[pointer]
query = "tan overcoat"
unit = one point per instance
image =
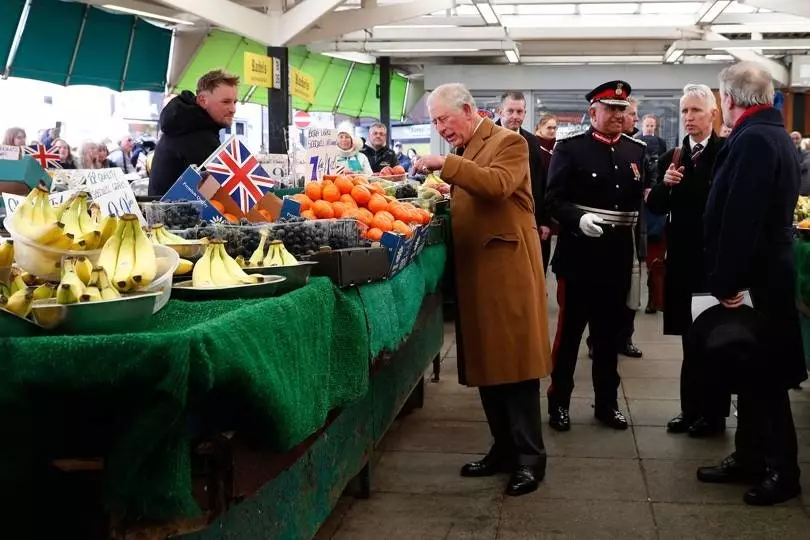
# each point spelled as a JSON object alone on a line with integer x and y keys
{"x": 502, "y": 323}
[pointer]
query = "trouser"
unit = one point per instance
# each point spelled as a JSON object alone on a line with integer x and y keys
{"x": 766, "y": 436}
{"x": 545, "y": 248}
{"x": 699, "y": 397}
{"x": 656, "y": 252}
{"x": 628, "y": 327}
{"x": 600, "y": 306}
{"x": 513, "y": 415}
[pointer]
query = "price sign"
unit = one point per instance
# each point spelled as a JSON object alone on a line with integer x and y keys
{"x": 276, "y": 165}
{"x": 322, "y": 152}
{"x": 119, "y": 202}
{"x": 12, "y": 202}
{"x": 9, "y": 152}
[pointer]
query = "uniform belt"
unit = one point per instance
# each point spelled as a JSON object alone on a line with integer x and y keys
{"x": 612, "y": 217}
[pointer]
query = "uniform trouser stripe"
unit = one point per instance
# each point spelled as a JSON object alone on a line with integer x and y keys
{"x": 560, "y": 321}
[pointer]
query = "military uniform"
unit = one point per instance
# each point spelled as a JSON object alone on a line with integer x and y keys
{"x": 592, "y": 173}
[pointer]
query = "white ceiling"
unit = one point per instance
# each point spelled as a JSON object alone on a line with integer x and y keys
{"x": 418, "y": 32}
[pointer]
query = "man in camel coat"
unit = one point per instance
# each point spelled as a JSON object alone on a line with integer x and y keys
{"x": 502, "y": 327}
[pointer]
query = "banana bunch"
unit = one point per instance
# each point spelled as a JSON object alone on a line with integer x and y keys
{"x": 19, "y": 281}
{"x": 68, "y": 226}
{"x": 218, "y": 269}
{"x": 128, "y": 256}
{"x": 277, "y": 255}
{"x": 184, "y": 267}
{"x": 257, "y": 257}
{"x": 6, "y": 253}
{"x": 18, "y": 303}
{"x": 71, "y": 287}
{"x": 160, "y": 235}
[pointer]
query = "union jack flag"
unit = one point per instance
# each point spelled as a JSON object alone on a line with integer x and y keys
{"x": 49, "y": 159}
{"x": 240, "y": 174}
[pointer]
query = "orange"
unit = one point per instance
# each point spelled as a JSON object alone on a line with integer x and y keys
{"x": 385, "y": 215}
{"x": 219, "y": 206}
{"x": 400, "y": 212}
{"x": 374, "y": 234}
{"x": 330, "y": 192}
{"x": 306, "y": 202}
{"x": 361, "y": 195}
{"x": 366, "y": 217}
{"x": 323, "y": 210}
{"x": 351, "y": 212}
{"x": 230, "y": 217}
{"x": 313, "y": 190}
{"x": 424, "y": 216}
{"x": 357, "y": 180}
{"x": 377, "y": 203}
{"x": 308, "y": 214}
{"x": 382, "y": 223}
{"x": 376, "y": 188}
{"x": 339, "y": 208}
{"x": 347, "y": 198}
{"x": 344, "y": 184}
{"x": 402, "y": 228}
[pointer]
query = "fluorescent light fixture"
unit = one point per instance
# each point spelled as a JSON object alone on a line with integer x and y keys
{"x": 512, "y": 55}
{"x": 773, "y": 47}
{"x": 713, "y": 11}
{"x": 672, "y": 56}
{"x": 360, "y": 58}
{"x": 412, "y": 26}
{"x": 487, "y": 13}
{"x": 595, "y": 59}
{"x": 146, "y": 14}
{"x": 397, "y": 51}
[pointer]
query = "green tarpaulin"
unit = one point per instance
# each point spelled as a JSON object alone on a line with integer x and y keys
{"x": 71, "y": 43}
{"x": 342, "y": 87}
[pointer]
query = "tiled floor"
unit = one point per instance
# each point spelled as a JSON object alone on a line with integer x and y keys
{"x": 600, "y": 483}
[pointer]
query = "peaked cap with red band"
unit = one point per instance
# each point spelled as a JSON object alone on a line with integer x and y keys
{"x": 610, "y": 93}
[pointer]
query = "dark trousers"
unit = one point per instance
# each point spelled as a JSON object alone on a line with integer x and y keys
{"x": 600, "y": 306}
{"x": 766, "y": 436}
{"x": 628, "y": 327}
{"x": 545, "y": 248}
{"x": 513, "y": 415}
{"x": 699, "y": 397}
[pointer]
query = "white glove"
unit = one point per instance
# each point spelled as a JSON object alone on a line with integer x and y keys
{"x": 589, "y": 225}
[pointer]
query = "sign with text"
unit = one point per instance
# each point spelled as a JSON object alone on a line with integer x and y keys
{"x": 258, "y": 70}
{"x": 13, "y": 202}
{"x": 10, "y": 152}
{"x": 276, "y": 165}
{"x": 302, "y": 85}
{"x": 321, "y": 152}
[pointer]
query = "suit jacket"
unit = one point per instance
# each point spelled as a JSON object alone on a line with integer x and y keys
{"x": 500, "y": 287}
{"x": 749, "y": 234}
{"x": 538, "y": 174}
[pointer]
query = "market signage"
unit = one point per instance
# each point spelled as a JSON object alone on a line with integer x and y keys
{"x": 322, "y": 152}
{"x": 302, "y": 85}
{"x": 261, "y": 71}
{"x": 109, "y": 188}
{"x": 9, "y": 152}
{"x": 12, "y": 202}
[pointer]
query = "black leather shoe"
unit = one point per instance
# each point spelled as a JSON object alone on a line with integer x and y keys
{"x": 630, "y": 350}
{"x": 730, "y": 471}
{"x": 524, "y": 480}
{"x": 707, "y": 427}
{"x": 558, "y": 419}
{"x": 774, "y": 489}
{"x": 488, "y": 466}
{"x": 681, "y": 423}
{"x": 612, "y": 418}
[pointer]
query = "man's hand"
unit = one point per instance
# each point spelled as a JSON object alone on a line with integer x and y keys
{"x": 427, "y": 164}
{"x": 673, "y": 176}
{"x": 733, "y": 302}
{"x": 589, "y": 225}
{"x": 545, "y": 232}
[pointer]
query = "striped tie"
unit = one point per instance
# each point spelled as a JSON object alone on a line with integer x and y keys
{"x": 696, "y": 151}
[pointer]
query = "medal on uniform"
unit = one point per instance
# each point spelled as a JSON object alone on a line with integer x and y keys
{"x": 635, "y": 172}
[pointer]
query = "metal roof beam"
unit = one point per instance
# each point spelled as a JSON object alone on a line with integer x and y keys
{"x": 792, "y": 7}
{"x": 298, "y": 20}
{"x": 400, "y": 48}
{"x": 780, "y": 73}
{"x": 353, "y": 20}
{"x": 460, "y": 34}
{"x": 231, "y": 16}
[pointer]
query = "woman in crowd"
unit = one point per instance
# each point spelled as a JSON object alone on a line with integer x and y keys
{"x": 412, "y": 154}
{"x": 103, "y": 154}
{"x": 546, "y": 131}
{"x": 88, "y": 156}
{"x": 15, "y": 136}
{"x": 350, "y": 159}
{"x": 65, "y": 157}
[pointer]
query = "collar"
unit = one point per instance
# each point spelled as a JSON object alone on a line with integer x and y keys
{"x": 749, "y": 112}
{"x": 604, "y": 139}
{"x": 704, "y": 142}
{"x": 478, "y": 125}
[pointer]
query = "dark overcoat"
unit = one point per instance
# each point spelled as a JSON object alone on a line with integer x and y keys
{"x": 683, "y": 205}
{"x": 749, "y": 235}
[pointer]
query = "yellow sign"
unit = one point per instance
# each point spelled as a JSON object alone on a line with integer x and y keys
{"x": 302, "y": 85}
{"x": 258, "y": 70}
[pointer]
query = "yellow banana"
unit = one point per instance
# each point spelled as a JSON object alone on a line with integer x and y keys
{"x": 241, "y": 261}
{"x": 201, "y": 276}
{"x": 68, "y": 293}
{"x": 109, "y": 253}
{"x": 6, "y": 253}
{"x": 92, "y": 239}
{"x": 219, "y": 272}
{"x": 286, "y": 257}
{"x": 107, "y": 228}
{"x": 47, "y": 233}
{"x": 60, "y": 210}
{"x": 70, "y": 217}
{"x": 29, "y": 279}
{"x": 257, "y": 257}
{"x": 108, "y": 292}
{"x": 122, "y": 272}
{"x": 44, "y": 291}
{"x": 145, "y": 267}
{"x": 85, "y": 222}
{"x": 234, "y": 269}
{"x": 184, "y": 267}
{"x": 19, "y": 303}
{"x": 84, "y": 269}
{"x": 168, "y": 237}
{"x": 17, "y": 284}
{"x": 91, "y": 294}
{"x": 63, "y": 241}
{"x": 24, "y": 214}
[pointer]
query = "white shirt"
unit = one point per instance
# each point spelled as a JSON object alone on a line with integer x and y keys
{"x": 703, "y": 143}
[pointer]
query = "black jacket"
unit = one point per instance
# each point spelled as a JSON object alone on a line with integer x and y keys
{"x": 683, "y": 207}
{"x": 190, "y": 135}
{"x": 749, "y": 235}
{"x": 384, "y": 157}
{"x": 538, "y": 177}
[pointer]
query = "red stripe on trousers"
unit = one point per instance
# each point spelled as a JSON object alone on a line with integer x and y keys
{"x": 558, "y": 335}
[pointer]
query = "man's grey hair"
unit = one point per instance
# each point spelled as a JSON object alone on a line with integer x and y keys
{"x": 454, "y": 95}
{"x": 703, "y": 92}
{"x": 748, "y": 84}
{"x": 378, "y": 125}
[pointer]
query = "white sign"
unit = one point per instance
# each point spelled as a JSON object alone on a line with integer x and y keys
{"x": 13, "y": 202}
{"x": 321, "y": 152}
{"x": 9, "y": 152}
{"x": 276, "y": 165}
{"x": 86, "y": 178}
{"x": 119, "y": 202}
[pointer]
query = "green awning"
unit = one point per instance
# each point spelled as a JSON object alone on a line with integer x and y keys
{"x": 71, "y": 43}
{"x": 342, "y": 87}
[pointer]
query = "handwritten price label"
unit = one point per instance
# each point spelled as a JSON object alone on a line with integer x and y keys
{"x": 322, "y": 152}
{"x": 10, "y": 152}
{"x": 120, "y": 202}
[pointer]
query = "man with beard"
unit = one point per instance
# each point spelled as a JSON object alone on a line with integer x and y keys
{"x": 512, "y": 113}
{"x": 191, "y": 125}
{"x": 377, "y": 151}
{"x": 595, "y": 190}
{"x": 501, "y": 325}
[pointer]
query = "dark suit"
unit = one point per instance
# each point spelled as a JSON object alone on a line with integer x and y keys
{"x": 538, "y": 178}
{"x": 749, "y": 245}
{"x": 683, "y": 206}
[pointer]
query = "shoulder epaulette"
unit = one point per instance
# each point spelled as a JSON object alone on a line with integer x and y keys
{"x": 637, "y": 141}
{"x": 570, "y": 137}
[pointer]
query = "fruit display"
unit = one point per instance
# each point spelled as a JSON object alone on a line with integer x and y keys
{"x": 396, "y": 172}
{"x": 6, "y": 253}
{"x": 128, "y": 256}
{"x": 433, "y": 181}
{"x": 276, "y": 254}
{"x": 217, "y": 269}
{"x": 802, "y": 211}
{"x": 174, "y": 215}
{"x": 191, "y": 249}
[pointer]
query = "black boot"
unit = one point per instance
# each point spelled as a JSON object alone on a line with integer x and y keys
{"x": 558, "y": 418}
{"x": 630, "y": 350}
{"x": 524, "y": 480}
{"x": 611, "y": 417}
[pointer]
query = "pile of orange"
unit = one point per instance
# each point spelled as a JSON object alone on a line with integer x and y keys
{"x": 355, "y": 197}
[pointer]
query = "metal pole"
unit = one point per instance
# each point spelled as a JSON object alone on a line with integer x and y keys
{"x": 278, "y": 105}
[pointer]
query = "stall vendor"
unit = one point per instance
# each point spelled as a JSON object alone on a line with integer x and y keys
{"x": 349, "y": 159}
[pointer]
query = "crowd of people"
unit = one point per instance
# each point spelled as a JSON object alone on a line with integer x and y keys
{"x": 712, "y": 218}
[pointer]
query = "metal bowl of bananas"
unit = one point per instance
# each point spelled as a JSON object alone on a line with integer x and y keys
{"x": 187, "y": 249}
{"x": 129, "y": 313}
{"x": 273, "y": 259}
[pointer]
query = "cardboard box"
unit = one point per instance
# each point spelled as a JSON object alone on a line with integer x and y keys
{"x": 352, "y": 266}
{"x": 402, "y": 251}
{"x": 20, "y": 176}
